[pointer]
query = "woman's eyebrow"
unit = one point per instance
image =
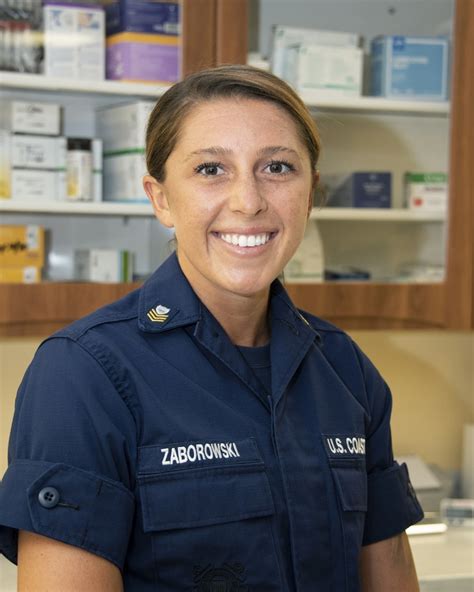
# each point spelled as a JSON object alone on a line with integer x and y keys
{"x": 213, "y": 150}
{"x": 220, "y": 150}
{"x": 269, "y": 150}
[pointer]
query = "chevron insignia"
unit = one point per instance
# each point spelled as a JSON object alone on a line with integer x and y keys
{"x": 159, "y": 314}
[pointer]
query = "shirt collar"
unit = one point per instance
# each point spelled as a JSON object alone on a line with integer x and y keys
{"x": 167, "y": 301}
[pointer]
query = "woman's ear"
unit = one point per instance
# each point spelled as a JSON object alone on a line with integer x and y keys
{"x": 157, "y": 195}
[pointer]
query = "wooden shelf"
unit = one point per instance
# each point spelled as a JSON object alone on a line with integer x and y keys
{"x": 40, "y": 309}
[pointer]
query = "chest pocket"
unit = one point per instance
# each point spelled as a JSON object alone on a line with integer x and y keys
{"x": 210, "y": 519}
{"x": 350, "y": 481}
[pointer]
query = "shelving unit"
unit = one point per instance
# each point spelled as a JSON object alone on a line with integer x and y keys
{"x": 39, "y": 309}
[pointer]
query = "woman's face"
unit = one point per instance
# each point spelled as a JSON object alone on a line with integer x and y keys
{"x": 238, "y": 190}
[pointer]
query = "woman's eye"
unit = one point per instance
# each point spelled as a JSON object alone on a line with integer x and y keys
{"x": 279, "y": 167}
{"x": 209, "y": 169}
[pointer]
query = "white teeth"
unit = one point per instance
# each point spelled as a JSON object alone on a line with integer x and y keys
{"x": 246, "y": 240}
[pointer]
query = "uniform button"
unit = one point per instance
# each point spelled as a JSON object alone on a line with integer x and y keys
{"x": 48, "y": 497}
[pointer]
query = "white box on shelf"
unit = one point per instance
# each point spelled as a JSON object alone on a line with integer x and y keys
{"x": 103, "y": 265}
{"x": 284, "y": 38}
{"x": 123, "y": 176}
{"x": 38, "y": 152}
{"x": 97, "y": 169}
{"x": 123, "y": 127}
{"x": 426, "y": 191}
{"x": 324, "y": 71}
{"x": 30, "y": 117}
{"x": 74, "y": 41}
{"x": 38, "y": 185}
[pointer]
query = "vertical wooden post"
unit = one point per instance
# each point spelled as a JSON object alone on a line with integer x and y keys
{"x": 460, "y": 258}
{"x": 198, "y": 35}
{"x": 232, "y": 32}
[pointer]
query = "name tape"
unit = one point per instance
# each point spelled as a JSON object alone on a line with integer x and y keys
{"x": 344, "y": 446}
{"x": 177, "y": 455}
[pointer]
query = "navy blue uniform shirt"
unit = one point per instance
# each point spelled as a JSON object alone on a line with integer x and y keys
{"x": 142, "y": 434}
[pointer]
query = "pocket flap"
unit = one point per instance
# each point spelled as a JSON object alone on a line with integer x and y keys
{"x": 210, "y": 491}
{"x": 351, "y": 484}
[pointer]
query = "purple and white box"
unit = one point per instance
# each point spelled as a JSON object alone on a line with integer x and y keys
{"x": 143, "y": 57}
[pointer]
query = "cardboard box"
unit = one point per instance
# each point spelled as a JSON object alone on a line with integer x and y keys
{"x": 324, "y": 71}
{"x": 361, "y": 190}
{"x": 103, "y": 265}
{"x": 38, "y": 152}
{"x": 290, "y": 38}
{"x": 426, "y": 191}
{"x": 38, "y": 185}
{"x": 20, "y": 275}
{"x": 410, "y": 67}
{"x": 123, "y": 127}
{"x": 28, "y": 117}
{"x": 123, "y": 176}
{"x": 5, "y": 165}
{"x": 143, "y": 16}
{"x": 143, "y": 57}
{"x": 21, "y": 246}
{"x": 74, "y": 41}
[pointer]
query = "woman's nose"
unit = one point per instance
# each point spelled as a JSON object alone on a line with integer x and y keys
{"x": 246, "y": 196}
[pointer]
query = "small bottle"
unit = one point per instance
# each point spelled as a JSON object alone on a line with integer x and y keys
{"x": 79, "y": 169}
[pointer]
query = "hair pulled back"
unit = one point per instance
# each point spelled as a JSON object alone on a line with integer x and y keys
{"x": 233, "y": 81}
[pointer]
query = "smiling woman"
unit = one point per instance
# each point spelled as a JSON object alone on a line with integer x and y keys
{"x": 203, "y": 433}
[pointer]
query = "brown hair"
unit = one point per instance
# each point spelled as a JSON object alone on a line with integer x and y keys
{"x": 171, "y": 109}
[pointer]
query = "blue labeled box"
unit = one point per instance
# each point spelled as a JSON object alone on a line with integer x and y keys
{"x": 410, "y": 67}
{"x": 363, "y": 190}
{"x": 143, "y": 16}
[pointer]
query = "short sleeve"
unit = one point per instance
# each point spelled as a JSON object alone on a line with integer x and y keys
{"x": 392, "y": 505}
{"x": 71, "y": 455}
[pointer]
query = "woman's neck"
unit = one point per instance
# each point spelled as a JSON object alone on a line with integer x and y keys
{"x": 243, "y": 318}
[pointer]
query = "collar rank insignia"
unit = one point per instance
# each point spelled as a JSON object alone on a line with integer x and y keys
{"x": 158, "y": 314}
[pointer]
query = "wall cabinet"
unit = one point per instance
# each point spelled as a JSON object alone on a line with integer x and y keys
{"x": 41, "y": 308}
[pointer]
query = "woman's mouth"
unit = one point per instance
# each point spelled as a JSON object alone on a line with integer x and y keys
{"x": 246, "y": 240}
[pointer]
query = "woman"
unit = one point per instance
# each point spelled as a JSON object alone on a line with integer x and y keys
{"x": 201, "y": 433}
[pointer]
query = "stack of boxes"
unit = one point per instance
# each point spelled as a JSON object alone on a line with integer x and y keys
{"x": 326, "y": 65}
{"x": 38, "y": 164}
{"x": 33, "y": 153}
{"x": 74, "y": 41}
{"x": 21, "y": 253}
{"x": 143, "y": 40}
{"x": 318, "y": 63}
{"x": 122, "y": 129}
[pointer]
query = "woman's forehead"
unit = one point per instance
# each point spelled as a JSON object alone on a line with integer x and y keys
{"x": 221, "y": 119}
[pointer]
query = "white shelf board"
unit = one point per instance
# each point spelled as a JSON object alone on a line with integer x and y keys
{"x": 40, "y": 83}
{"x": 76, "y": 208}
{"x": 375, "y": 215}
{"x": 376, "y": 105}
{"x": 143, "y": 209}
